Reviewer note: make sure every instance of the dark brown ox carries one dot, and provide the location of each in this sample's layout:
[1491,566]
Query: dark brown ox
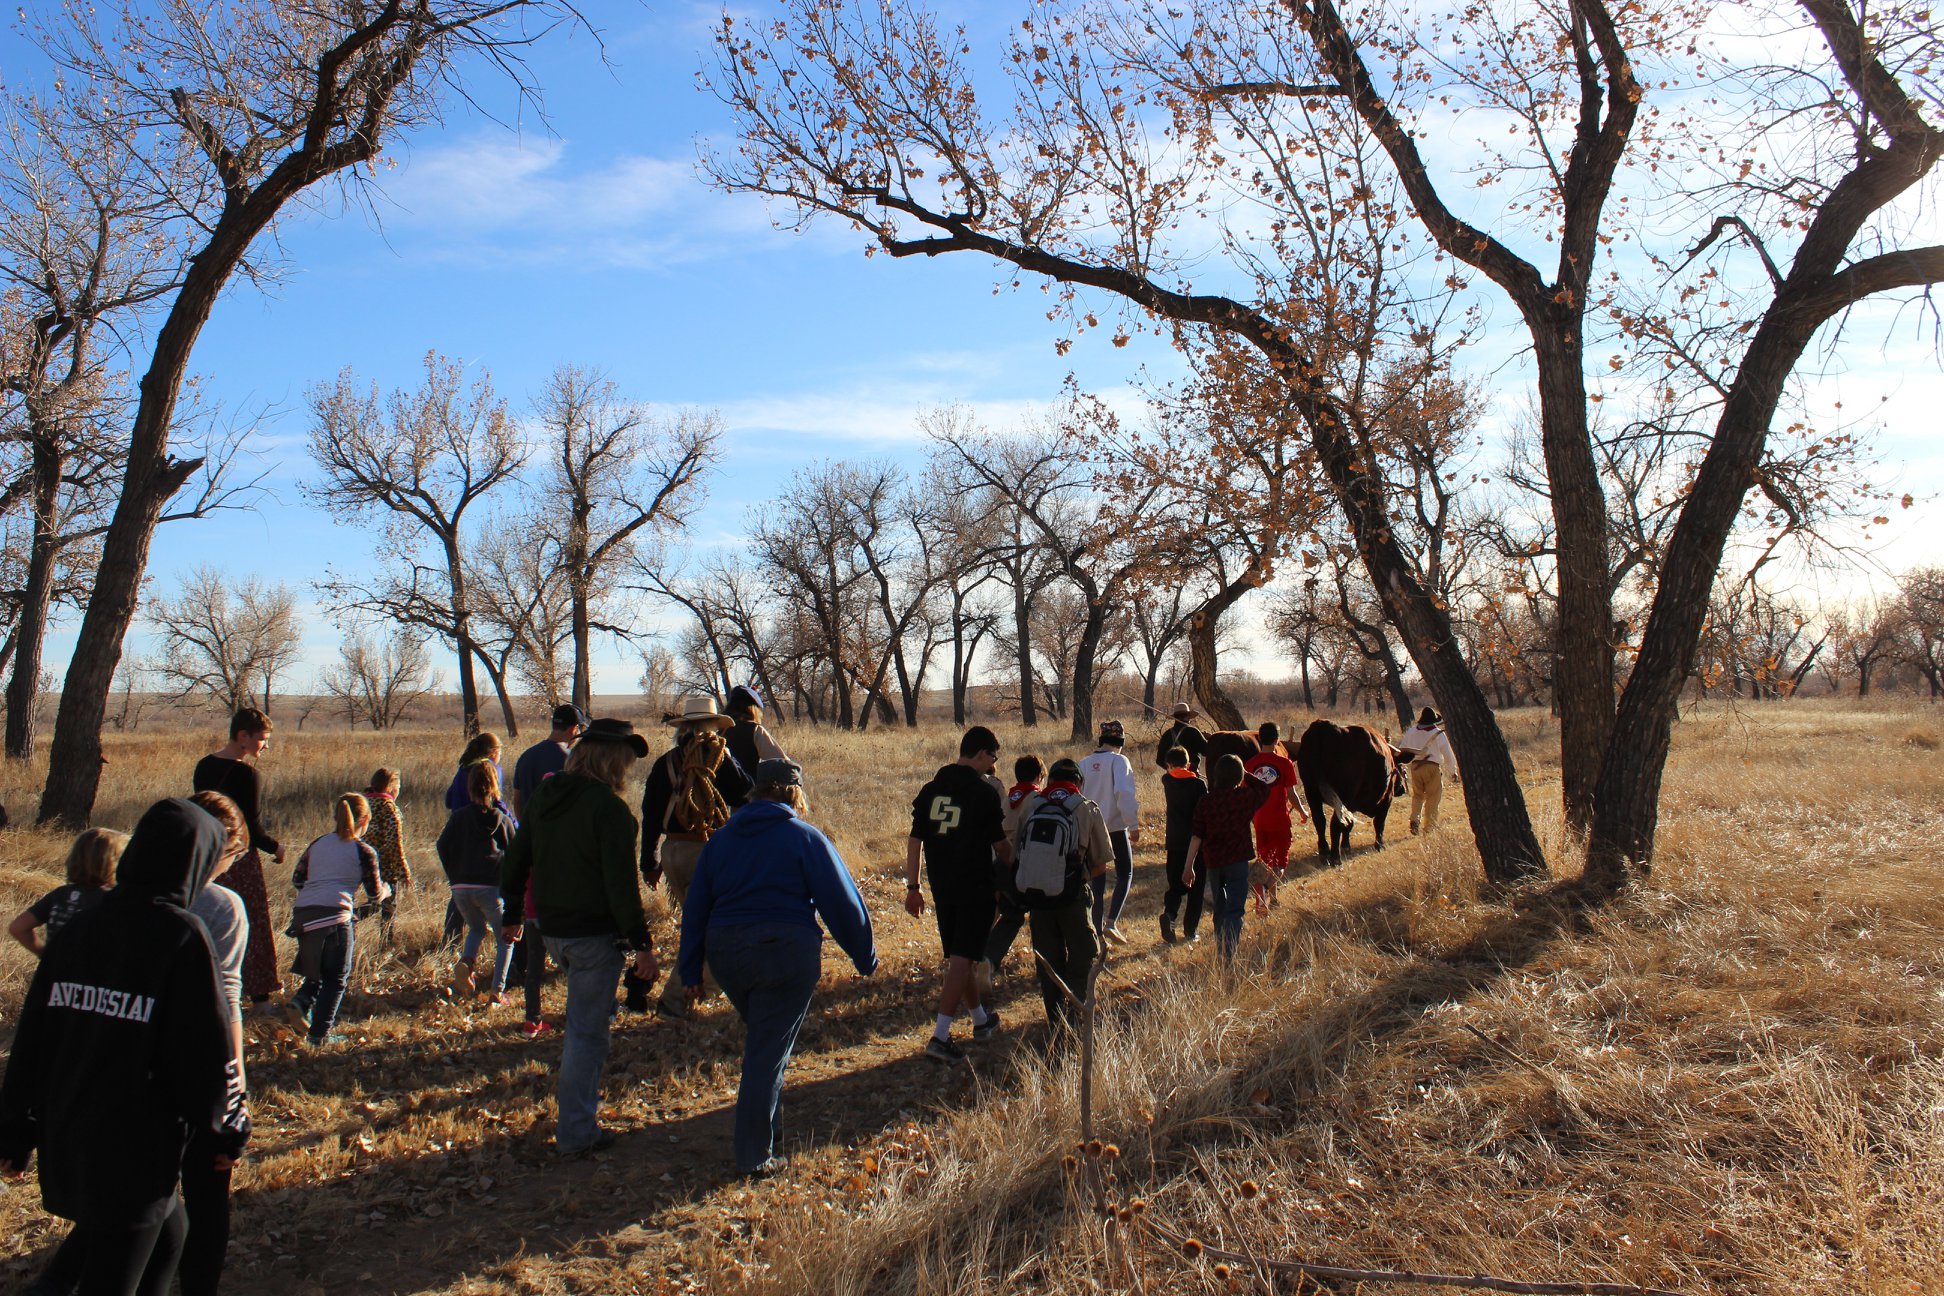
[1240,743]
[1347,770]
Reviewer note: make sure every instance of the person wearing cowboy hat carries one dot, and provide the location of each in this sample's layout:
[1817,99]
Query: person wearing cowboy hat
[1429,751]
[576,849]
[1183,734]
[691,789]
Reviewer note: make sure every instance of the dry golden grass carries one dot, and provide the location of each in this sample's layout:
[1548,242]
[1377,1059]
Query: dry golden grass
[1730,1080]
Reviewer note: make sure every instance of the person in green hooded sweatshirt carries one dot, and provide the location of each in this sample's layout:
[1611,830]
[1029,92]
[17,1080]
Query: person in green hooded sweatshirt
[576,846]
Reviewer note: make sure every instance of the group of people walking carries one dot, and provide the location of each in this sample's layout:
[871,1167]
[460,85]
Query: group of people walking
[127,1070]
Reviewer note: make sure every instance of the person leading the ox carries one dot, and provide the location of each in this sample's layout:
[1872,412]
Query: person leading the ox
[121,1057]
[690,791]
[958,824]
[1430,751]
[761,883]
[1182,733]
[1107,780]
[749,742]
[577,848]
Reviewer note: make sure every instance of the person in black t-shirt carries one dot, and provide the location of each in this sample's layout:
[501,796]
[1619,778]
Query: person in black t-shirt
[90,872]
[958,822]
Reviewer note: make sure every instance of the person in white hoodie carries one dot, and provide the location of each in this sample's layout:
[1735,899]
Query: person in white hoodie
[1108,780]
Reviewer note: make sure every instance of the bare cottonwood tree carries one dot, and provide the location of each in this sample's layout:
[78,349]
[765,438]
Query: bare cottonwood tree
[1920,593]
[1863,636]
[804,542]
[273,97]
[87,248]
[1046,476]
[1286,123]
[521,612]
[619,477]
[225,639]
[418,462]
[377,681]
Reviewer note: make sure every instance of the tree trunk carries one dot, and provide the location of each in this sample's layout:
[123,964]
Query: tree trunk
[23,690]
[1584,662]
[1626,808]
[1083,664]
[74,757]
[462,640]
[958,672]
[498,678]
[1203,623]
[583,673]
[1022,609]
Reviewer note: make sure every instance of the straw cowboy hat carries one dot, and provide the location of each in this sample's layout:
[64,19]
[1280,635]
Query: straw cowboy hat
[1182,711]
[698,710]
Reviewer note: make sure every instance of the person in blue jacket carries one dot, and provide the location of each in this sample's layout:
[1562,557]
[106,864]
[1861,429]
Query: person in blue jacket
[761,883]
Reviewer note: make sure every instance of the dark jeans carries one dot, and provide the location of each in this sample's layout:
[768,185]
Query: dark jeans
[536,966]
[1066,940]
[320,997]
[1103,916]
[206,1199]
[116,1260]
[768,971]
[1194,895]
[1005,930]
[1231,901]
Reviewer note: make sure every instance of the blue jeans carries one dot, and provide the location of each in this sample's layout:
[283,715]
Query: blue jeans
[1104,916]
[320,997]
[479,906]
[1229,899]
[768,971]
[593,965]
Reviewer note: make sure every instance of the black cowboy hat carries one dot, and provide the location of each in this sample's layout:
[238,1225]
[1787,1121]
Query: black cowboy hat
[615,731]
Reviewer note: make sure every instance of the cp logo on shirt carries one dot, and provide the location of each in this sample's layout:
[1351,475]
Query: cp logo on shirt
[944,813]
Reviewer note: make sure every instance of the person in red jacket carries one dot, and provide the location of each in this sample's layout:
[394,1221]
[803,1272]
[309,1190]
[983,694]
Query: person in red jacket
[1273,830]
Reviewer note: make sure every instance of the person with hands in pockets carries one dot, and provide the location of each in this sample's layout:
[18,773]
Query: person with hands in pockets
[576,846]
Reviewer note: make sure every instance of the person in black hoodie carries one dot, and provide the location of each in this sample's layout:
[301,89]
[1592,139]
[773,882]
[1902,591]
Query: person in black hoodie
[471,849]
[121,1054]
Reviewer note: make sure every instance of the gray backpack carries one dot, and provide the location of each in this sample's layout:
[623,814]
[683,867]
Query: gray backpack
[1047,872]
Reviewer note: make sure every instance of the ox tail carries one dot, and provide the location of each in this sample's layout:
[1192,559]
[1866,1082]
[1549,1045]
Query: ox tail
[1339,812]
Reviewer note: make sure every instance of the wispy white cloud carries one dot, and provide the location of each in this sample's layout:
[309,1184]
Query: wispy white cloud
[502,199]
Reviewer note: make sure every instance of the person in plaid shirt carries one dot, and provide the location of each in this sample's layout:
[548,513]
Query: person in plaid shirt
[1224,845]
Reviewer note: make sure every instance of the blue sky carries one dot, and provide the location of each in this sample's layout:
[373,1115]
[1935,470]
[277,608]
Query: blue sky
[590,240]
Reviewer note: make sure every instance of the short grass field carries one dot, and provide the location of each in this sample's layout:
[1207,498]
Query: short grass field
[1731,1079]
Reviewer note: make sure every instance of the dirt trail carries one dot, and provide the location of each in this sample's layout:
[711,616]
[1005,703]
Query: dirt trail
[422,1162]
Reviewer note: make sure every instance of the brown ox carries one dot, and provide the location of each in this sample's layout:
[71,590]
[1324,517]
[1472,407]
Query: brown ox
[1240,743]
[1347,770]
